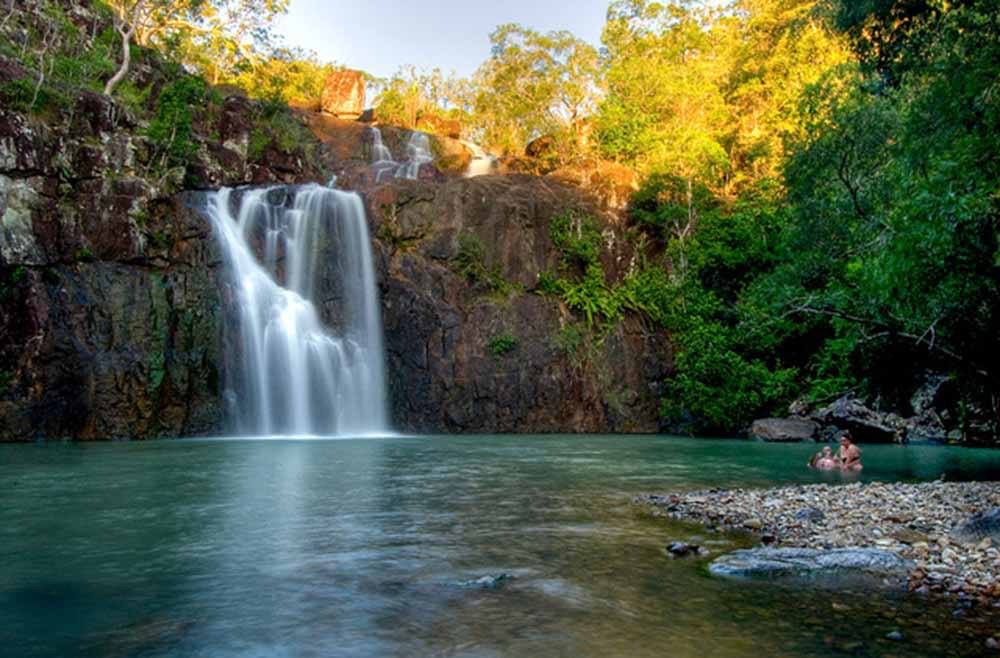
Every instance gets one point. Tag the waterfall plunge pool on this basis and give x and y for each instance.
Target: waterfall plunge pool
(361, 548)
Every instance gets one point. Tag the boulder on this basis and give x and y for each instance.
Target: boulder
(865, 424)
(541, 147)
(835, 567)
(783, 430)
(344, 94)
(682, 549)
(979, 527)
(438, 125)
(928, 397)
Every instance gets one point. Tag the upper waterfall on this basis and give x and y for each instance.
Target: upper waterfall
(482, 163)
(418, 153)
(293, 375)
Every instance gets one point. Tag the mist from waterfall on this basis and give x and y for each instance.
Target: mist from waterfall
(291, 375)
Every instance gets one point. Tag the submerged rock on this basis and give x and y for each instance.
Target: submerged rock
(488, 582)
(681, 549)
(836, 566)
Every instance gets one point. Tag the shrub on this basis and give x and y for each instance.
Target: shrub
(471, 263)
(502, 344)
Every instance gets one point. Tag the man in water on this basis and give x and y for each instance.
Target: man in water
(849, 454)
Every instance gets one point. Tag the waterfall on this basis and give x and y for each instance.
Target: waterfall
(292, 375)
(482, 163)
(418, 153)
(380, 152)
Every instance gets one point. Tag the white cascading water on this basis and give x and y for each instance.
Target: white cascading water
(295, 376)
(418, 153)
(481, 164)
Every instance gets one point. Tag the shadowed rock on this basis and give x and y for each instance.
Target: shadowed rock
(784, 430)
(985, 525)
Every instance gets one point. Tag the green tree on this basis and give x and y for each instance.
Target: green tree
(534, 84)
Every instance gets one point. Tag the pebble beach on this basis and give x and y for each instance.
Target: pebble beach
(933, 525)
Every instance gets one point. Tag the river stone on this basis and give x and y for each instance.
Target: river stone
(979, 527)
(810, 514)
(836, 565)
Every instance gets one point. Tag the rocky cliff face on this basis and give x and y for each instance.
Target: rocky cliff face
(111, 290)
(109, 295)
(496, 355)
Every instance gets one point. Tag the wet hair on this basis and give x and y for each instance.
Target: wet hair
(846, 434)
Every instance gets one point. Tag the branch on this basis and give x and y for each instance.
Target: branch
(890, 331)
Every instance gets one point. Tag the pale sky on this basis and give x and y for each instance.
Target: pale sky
(379, 37)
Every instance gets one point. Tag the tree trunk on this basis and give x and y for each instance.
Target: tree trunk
(126, 61)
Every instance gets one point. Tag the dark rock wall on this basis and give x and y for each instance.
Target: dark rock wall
(439, 325)
(110, 321)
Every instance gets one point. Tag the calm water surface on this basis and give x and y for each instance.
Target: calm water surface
(358, 548)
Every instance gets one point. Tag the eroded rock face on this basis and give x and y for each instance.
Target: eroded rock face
(111, 291)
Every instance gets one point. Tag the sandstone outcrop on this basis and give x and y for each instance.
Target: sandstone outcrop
(344, 94)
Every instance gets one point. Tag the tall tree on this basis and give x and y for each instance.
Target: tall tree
(534, 84)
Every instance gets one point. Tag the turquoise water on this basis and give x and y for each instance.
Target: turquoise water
(359, 548)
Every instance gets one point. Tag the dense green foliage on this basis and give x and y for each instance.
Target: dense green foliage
(170, 129)
(873, 257)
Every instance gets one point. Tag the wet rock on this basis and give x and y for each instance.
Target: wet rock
(783, 430)
(895, 636)
(681, 549)
(798, 563)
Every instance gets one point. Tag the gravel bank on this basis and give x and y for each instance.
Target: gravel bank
(923, 523)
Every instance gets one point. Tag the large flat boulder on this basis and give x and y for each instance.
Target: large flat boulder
(835, 567)
(784, 430)
(344, 94)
